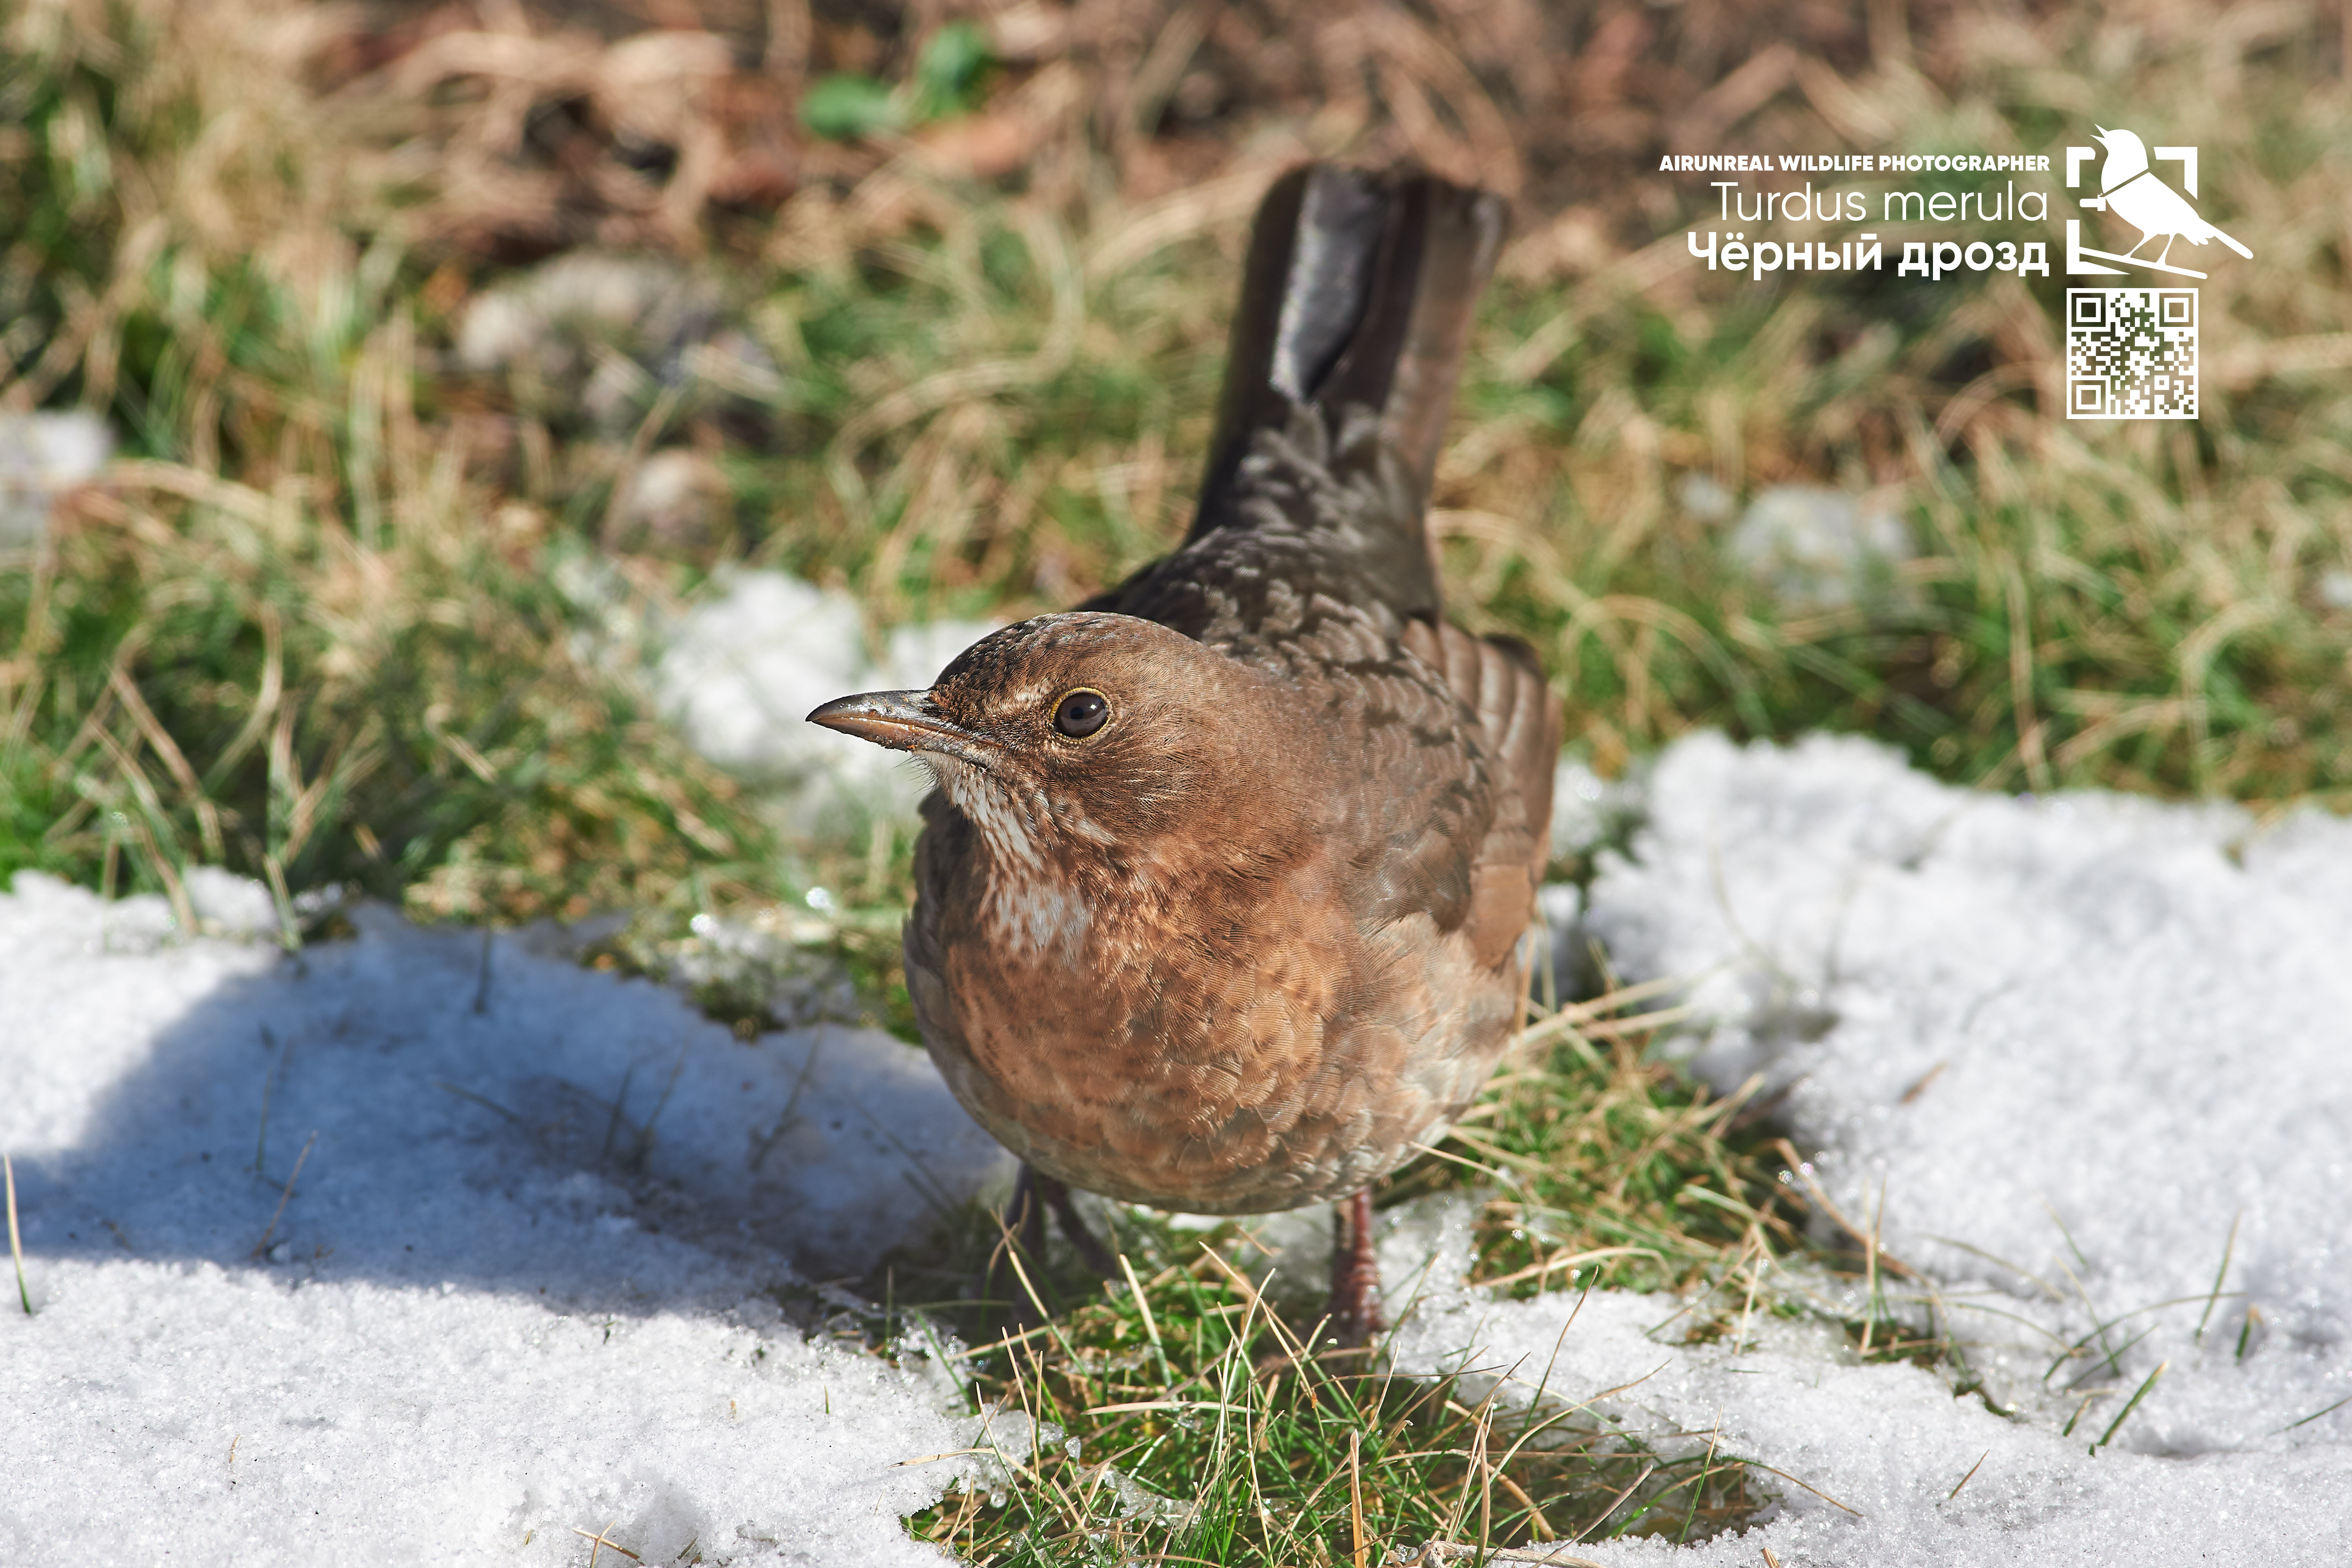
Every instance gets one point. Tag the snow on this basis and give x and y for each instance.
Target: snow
(1891, 1443)
(531, 1280)
(527, 1280)
(43, 456)
(2074, 1043)
(751, 659)
(1818, 548)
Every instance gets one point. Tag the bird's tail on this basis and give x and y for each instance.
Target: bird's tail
(2231, 243)
(1358, 290)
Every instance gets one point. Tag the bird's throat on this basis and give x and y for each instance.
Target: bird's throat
(1005, 825)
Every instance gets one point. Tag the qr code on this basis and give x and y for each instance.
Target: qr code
(2131, 353)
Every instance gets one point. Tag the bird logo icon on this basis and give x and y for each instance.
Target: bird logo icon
(2130, 188)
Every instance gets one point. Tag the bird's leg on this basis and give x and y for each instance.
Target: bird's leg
(2168, 249)
(2134, 251)
(1034, 1193)
(1057, 1195)
(1355, 1309)
(1023, 1228)
(1027, 1217)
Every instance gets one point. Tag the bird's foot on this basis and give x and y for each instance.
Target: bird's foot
(1091, 1249)
(1354, 1313)
(1020, 1282)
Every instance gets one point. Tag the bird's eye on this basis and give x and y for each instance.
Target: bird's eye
(1080, 713)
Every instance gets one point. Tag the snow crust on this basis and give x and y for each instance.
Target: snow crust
(1889, 1443)
(1818, 548)
(2074, 1043)
(527, 1280)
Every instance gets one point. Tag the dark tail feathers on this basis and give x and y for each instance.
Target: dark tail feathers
(1360, 289)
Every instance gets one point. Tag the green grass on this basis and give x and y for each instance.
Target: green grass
(1269, 1453)
(328, 570)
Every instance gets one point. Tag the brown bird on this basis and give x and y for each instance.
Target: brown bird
(1219, 902)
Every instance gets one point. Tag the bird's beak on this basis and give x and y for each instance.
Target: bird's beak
(902, 721)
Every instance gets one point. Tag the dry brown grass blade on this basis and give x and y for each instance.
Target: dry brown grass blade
(262, 1246)
(1807, 1485)
(1214, 206)
(1355, 1497)
(1453, 1551)
(142, 824)
(1569, 1262)
(1803, 1170)
(600, 1538)
(16, 1240)
(174, 761)
(1614, 1503)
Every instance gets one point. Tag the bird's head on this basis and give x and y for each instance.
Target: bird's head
(1086, 733)
(2126, 153)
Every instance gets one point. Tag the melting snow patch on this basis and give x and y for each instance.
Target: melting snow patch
(42, 455)
(1821, 549)
(745, 667)
(2085, 1047)
(526, 1281)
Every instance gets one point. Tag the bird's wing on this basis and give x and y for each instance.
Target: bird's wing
(1309, 556)
(2154, 208)
(1458, 738)
(1518, 718)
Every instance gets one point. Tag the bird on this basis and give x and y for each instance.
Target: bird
(2130, 190)
(1223, 898)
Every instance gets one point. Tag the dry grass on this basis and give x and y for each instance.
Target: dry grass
(285, 633)
(298, 631)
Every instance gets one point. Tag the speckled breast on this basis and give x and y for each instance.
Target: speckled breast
(1293, 1060)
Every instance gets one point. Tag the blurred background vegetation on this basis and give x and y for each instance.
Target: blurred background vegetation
(432, 341)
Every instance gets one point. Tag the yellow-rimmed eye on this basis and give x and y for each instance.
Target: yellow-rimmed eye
(1081, 713)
